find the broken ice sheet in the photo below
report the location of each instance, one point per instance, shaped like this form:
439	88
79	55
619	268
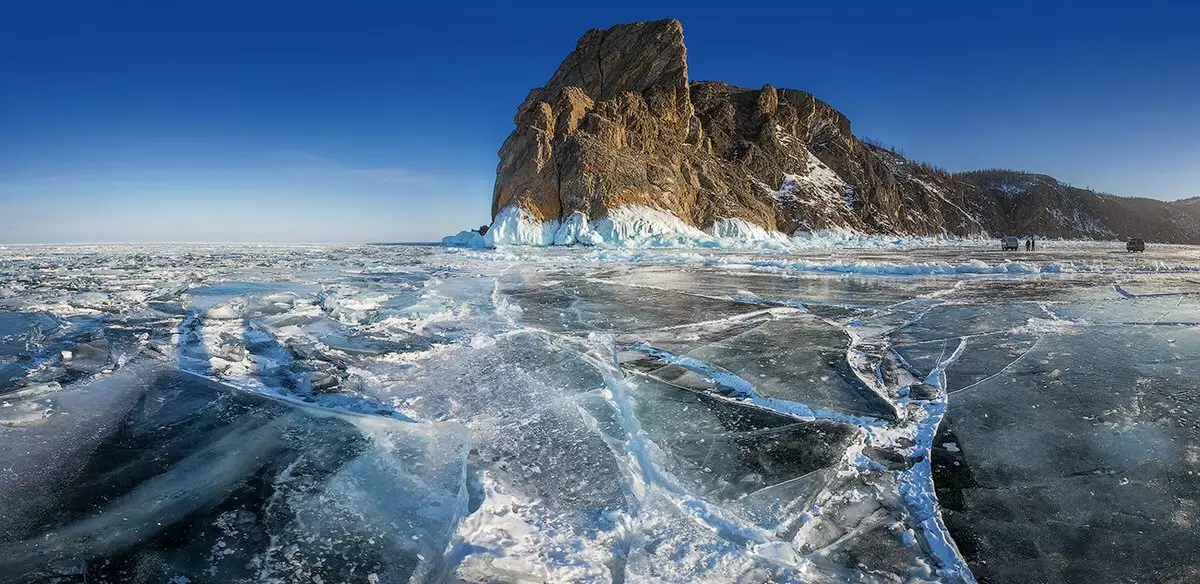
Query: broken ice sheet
538	464
727	450
787	355
153	474
565	303
21	334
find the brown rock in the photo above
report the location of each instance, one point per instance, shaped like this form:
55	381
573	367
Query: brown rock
619	123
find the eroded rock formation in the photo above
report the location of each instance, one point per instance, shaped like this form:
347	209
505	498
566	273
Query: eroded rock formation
619	123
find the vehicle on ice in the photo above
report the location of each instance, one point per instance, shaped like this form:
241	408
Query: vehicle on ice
1135	245
1009	243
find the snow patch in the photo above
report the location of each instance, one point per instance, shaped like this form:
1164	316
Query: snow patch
821	186
1010	190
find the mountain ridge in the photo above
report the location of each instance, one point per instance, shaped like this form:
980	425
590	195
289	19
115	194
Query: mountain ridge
619	124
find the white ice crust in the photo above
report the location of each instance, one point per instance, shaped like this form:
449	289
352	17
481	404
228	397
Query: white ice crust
464	239
628	226
638	226
516	226
576	230
743	230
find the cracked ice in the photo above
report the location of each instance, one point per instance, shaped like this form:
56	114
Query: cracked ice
418	414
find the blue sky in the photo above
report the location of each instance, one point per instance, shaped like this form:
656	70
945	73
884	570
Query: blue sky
295	121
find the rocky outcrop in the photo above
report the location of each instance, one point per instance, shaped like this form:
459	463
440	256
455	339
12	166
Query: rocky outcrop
619	124
608	128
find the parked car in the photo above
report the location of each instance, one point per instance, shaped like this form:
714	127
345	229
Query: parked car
1136	245
1009	243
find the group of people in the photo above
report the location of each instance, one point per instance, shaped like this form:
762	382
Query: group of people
1030	245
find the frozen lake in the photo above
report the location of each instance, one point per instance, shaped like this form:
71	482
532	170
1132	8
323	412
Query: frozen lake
243	413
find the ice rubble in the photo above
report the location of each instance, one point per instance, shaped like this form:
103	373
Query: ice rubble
746	231
577	230
640	226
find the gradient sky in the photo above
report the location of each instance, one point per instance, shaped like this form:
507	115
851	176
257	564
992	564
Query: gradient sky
351	122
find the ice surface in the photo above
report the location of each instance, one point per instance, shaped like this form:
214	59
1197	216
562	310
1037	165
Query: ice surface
1090	469
153	474
880	413
20	335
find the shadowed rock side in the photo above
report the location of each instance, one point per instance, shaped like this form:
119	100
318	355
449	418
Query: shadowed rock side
619	124
1018	202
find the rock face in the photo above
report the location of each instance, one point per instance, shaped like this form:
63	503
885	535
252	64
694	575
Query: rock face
620	124
607	129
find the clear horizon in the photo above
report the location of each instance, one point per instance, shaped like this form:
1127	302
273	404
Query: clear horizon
292	123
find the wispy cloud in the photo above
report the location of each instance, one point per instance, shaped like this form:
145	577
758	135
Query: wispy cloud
304	161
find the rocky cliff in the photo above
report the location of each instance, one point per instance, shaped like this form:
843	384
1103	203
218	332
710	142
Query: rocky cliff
620	126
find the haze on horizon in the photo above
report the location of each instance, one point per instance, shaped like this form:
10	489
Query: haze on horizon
301	122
